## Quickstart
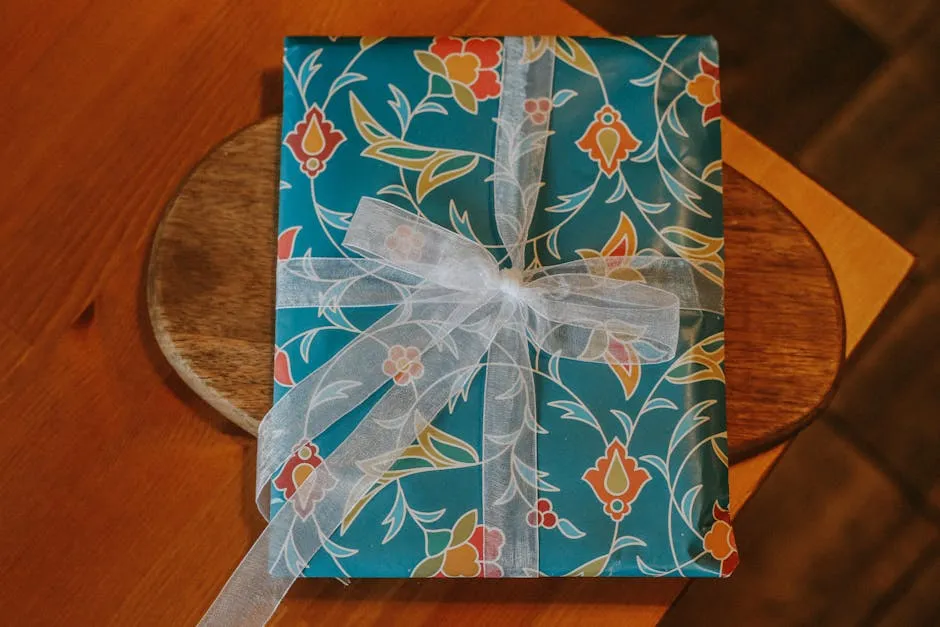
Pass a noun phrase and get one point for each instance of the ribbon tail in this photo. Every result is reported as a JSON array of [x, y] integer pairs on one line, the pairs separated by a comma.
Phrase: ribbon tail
[[306, 521], [510, 468], [253, 592]]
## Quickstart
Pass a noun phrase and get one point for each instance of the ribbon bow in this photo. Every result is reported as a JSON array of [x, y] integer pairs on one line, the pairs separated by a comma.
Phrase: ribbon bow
[[453, 305]]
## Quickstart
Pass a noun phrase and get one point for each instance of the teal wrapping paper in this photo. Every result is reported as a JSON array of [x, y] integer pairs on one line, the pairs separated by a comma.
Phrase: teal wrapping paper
[[632, 460]]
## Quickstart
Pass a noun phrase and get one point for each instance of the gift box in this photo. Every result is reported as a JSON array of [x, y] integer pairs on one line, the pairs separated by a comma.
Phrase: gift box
[[631, 474]]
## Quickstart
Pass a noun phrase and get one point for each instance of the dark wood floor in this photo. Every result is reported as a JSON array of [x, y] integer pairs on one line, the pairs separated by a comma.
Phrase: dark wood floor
[[847, 529]]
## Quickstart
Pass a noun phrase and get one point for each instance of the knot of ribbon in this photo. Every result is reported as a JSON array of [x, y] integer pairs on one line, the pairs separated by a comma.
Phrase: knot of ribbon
[[452, 307]]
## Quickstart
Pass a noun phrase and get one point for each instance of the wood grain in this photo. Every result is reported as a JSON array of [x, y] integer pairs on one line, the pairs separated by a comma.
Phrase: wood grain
[[211, 289], [127, 499]]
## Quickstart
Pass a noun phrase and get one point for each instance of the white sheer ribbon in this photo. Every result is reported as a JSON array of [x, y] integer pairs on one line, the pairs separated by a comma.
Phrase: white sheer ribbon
[[453, 305]]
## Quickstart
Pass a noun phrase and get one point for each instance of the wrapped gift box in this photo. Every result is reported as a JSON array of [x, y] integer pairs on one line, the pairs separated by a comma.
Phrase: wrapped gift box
[[632, 460]]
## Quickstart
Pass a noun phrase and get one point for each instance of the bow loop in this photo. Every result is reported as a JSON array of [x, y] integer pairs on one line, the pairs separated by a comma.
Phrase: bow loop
[[565, 309], [385, 232]]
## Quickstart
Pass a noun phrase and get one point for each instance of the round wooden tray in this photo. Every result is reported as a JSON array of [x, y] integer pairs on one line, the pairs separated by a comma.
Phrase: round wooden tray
[[211, 296]]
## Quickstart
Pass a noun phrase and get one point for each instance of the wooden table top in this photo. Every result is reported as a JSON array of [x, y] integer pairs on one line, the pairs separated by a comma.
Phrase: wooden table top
[[118, 483]]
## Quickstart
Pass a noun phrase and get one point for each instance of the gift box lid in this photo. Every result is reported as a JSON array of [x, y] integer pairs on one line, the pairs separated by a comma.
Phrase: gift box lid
[[632, 459]]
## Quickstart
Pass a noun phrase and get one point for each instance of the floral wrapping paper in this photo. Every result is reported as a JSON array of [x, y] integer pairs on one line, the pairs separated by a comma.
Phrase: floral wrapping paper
[[632, 460]]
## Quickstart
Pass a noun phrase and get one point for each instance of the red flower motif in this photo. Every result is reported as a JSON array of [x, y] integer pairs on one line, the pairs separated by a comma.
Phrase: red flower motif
[[285, 242], [404, 243], [471, 62], [542, 515], [282, 375], [705, 89], [470, 560], [297, 469], [720, 542], [608, 140], [304, 479], [537, 109], [617, 480], [313, 141]]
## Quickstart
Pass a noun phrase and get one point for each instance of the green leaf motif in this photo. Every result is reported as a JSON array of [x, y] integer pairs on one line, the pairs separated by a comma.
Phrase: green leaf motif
[[464, 527], [428, 567], [436, 541], [374, 128], [572, 53], [436, 165], [430, 62], [590, 569], [454, 453], [465, 98], [410, 463], [446, 167], [439, 86], [406, 152], [454, 164]]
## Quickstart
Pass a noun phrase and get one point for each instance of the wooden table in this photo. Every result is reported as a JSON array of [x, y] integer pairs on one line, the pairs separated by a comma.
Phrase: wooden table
[[125, 498]]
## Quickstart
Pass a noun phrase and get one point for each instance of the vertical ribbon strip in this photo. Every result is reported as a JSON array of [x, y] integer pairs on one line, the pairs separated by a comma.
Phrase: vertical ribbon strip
[[453, 307]]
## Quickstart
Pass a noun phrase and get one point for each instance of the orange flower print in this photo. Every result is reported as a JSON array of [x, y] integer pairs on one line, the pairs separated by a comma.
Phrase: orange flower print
[[705, 89], [299, 487], [313, 141], [608, 140], [537, 109], [297, 469], [467, 549], [467, 67], [285, 243], [719, 541], [282, 375], [471, 62], [404, 244], [616, 480], [403, 364], [468, 559], [542, 515]]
